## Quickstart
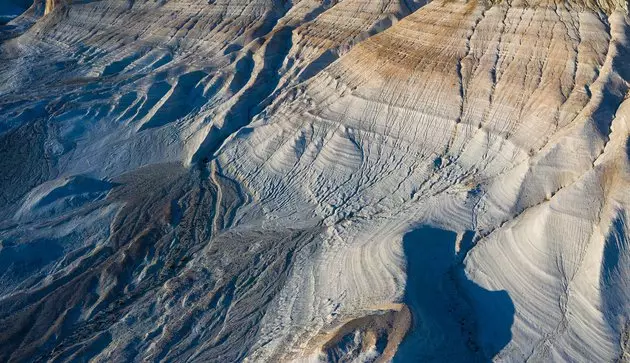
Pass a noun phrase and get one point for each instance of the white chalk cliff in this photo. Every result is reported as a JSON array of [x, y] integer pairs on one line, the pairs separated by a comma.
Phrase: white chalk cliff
[[306, 180]]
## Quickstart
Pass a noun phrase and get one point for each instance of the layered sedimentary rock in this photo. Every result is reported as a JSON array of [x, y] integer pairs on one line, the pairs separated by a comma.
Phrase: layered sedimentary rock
[[327, 180], [50, 6]]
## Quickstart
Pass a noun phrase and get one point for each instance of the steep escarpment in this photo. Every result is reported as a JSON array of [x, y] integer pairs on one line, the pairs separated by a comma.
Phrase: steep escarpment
[[331, 180]]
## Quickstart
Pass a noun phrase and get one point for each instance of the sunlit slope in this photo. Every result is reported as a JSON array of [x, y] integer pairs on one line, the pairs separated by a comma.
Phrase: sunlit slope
[[237, 180], [499, 119]]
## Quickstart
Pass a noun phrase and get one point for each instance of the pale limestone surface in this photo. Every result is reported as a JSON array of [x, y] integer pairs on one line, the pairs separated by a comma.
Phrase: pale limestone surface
[[233, 180]]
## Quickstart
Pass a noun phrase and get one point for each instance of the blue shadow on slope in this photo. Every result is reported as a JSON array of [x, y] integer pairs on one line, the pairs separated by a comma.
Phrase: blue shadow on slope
[[613, 278], [11, 9], [454, 319]]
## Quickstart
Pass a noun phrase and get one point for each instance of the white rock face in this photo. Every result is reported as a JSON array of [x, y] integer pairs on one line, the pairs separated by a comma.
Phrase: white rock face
[[345, 180]]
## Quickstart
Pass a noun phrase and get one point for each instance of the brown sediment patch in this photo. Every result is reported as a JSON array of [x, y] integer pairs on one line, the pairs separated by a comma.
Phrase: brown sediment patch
[[389, 325], [50, 5]]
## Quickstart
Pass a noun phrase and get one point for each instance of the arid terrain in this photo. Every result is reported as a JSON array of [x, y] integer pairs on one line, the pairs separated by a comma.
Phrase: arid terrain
[[314, 180]]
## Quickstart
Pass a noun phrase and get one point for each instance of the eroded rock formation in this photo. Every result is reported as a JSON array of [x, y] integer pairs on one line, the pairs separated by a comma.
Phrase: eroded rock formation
[[234, 180], [50, 6]]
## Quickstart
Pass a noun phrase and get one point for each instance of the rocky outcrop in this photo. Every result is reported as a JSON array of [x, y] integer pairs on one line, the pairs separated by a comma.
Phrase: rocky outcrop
[[50, 6]]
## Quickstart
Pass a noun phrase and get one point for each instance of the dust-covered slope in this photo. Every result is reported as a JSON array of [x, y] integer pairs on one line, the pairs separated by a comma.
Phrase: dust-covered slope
[[274, 181]]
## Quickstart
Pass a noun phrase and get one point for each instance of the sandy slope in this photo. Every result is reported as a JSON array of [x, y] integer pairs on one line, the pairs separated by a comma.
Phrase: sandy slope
[[270, 180]]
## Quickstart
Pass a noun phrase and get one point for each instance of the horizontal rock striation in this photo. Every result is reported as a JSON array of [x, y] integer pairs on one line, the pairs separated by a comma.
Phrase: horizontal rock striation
[[232, 180]]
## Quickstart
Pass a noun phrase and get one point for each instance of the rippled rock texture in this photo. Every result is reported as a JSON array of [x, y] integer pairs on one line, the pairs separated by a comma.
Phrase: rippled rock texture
[[351, 180]]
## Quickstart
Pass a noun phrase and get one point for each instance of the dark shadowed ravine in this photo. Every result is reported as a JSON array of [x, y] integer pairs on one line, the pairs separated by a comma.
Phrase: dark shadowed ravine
[[454, 319]]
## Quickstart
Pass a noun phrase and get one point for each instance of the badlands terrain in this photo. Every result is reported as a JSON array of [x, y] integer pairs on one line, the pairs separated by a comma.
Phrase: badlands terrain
[[314, 180]]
